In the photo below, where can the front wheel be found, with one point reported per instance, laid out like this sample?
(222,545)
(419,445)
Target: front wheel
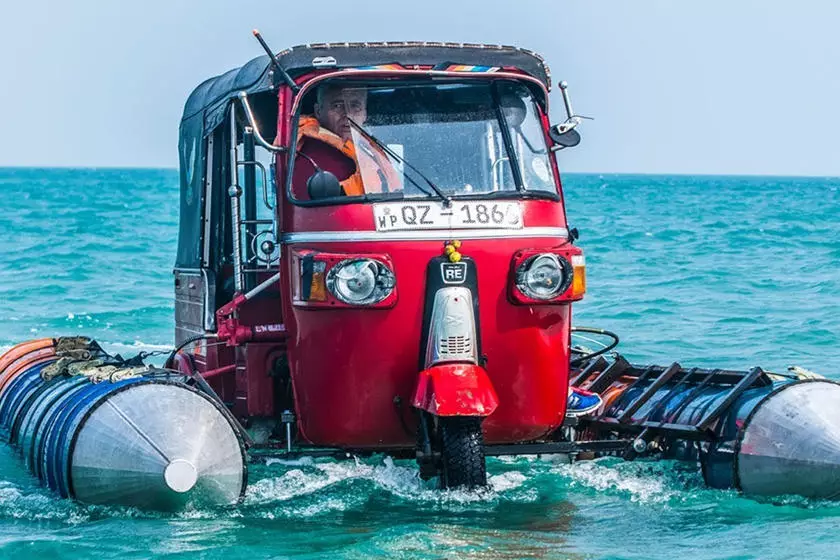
(462,452)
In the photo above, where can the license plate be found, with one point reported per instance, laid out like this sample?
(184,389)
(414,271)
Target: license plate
(399,216)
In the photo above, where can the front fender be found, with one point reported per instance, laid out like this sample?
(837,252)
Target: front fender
(455,390)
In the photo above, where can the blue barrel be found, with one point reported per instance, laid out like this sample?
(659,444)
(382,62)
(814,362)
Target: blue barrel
(16,395)
(144,441)
(31,427)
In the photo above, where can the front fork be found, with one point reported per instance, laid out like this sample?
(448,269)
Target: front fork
(453,384)
(428,453)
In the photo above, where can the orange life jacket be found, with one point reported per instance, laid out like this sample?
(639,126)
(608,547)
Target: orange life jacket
(374,171)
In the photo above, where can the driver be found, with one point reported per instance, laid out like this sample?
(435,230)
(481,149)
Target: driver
(331,124)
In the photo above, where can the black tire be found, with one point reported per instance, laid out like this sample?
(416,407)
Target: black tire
(462,453)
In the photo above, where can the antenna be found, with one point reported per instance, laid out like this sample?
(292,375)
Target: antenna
(276,63)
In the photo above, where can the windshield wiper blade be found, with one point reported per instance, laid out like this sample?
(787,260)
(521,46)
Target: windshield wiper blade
(507,140)
(447,200)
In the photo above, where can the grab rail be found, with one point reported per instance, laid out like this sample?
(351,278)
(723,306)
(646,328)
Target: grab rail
(249,114)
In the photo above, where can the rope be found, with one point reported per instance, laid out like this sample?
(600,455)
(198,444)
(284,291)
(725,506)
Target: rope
(82,356)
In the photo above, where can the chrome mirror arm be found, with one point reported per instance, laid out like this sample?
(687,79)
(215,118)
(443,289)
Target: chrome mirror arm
(572,120)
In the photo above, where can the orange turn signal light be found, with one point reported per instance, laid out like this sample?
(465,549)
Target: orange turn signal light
(318,287)
(579,276)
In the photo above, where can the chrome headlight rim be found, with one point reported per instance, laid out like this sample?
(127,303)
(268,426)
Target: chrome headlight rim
(564,267)
(384,281)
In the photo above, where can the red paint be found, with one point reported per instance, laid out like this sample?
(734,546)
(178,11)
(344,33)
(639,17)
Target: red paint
(349,364)
(455,390)
(255,363)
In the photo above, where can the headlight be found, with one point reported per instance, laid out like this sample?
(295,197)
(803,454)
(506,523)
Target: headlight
(544,276)
(360,281)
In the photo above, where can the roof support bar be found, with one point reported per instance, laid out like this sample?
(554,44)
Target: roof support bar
(235,191)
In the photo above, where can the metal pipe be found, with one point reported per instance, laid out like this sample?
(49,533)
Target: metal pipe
(262,169)
(249,114)
(250,190)
(235,192)
(572,120)
(210,374)
(287,417)
(564,86)
(262,286)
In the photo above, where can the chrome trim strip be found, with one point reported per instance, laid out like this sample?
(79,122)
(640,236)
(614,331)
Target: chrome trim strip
(208,201)
(209,297)
(423,235)
(354,72)
(234,192)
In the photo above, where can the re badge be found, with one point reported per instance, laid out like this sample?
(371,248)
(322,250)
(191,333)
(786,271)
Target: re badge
(453,273)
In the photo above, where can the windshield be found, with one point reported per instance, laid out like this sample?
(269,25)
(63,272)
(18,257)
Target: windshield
(423,140)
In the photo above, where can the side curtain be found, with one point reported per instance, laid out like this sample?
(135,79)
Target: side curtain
(192,169)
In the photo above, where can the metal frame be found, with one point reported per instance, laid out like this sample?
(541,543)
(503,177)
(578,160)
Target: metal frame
(251,134)
(278,450)
(234,192)
(208,199)
(295,113)
(645,429)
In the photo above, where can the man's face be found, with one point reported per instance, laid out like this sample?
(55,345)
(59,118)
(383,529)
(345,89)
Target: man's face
(337,105)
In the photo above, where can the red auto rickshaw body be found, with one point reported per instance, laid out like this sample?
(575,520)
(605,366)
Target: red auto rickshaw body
(351,364)
(355,364)
(360,377)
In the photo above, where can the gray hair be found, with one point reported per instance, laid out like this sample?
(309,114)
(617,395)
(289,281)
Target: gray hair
(326,88)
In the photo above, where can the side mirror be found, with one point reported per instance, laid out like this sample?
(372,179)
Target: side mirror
(323,184)
(564,136)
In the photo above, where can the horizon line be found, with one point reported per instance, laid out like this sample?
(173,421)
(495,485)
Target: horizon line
(562,173)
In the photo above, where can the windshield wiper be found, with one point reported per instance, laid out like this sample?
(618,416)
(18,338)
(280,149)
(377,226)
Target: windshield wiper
(508,141)
(447,200)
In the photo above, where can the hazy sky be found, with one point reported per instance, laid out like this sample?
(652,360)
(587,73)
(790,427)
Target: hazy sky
(675,86)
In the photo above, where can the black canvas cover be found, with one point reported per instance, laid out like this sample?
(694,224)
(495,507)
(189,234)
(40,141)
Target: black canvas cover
(212,95)
(191,161)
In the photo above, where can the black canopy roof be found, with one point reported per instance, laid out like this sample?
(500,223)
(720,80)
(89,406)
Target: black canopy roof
(254,77)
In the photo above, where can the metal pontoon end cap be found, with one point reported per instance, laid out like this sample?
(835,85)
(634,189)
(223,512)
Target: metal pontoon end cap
(157,445)
(790,443)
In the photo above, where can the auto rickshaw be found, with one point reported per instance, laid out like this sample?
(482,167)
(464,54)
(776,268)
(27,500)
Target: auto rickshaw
(428,314)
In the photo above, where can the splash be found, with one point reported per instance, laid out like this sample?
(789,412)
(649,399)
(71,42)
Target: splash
(641,481)
(337,486)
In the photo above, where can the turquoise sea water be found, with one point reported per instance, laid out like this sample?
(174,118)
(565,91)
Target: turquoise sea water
(711,271)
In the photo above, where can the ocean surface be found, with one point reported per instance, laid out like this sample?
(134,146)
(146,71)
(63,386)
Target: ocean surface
(710,271)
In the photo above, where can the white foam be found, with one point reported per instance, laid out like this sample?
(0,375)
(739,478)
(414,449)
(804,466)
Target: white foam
(138,345)
(507,481)
(38,506)
(307,477)
(639,487)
